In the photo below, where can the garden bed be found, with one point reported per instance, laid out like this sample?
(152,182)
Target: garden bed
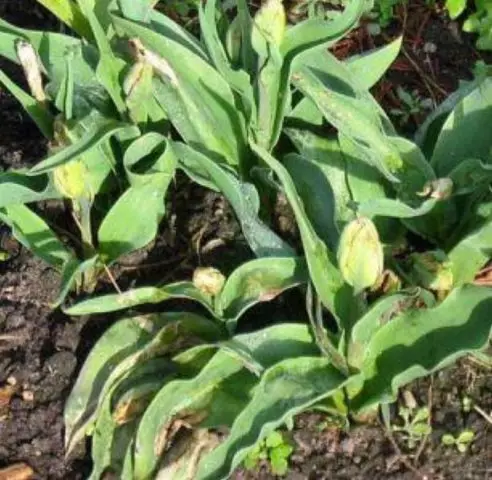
(41,351)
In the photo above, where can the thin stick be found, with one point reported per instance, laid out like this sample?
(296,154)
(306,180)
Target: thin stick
(483,413)
(429,406)
(112,279)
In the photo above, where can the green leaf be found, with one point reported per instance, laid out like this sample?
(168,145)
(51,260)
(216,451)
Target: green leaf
(238,79)
(368,68)
(138,11)
(33,232)
(274,439)
(69,13)
(462,134)
(73,273)
(138,296)
(39,113)
(194,95)
(64,98)
(122,347)
(286,389)
(94,137)
(116,235)
(345,113)
(428,132)
(17,188)
(109,67)
(321,263)
(259,281)
(455,7)
(115,426)
(52,49)
(207,389)
(448,439)
(471,253)
(243,198)
(420,341)
(379,315)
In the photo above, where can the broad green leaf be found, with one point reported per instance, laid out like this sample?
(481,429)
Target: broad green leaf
(150,163)
(126,344)
(238,79)
(33,232)
(381,313)
(72,273)
(52,48)
(368,68)
(315,32)
(471,176)
(471,254)
(428,132)
(343,111)
(69,13)
(195,97)
(455,7)
(204,391)
(109,67)
(388,207)
(139,296)
(116,422)
(303,37)
(243,198)
(420,341)
(326,278)
(287,388)
(462,134)
(91,140)
(121,340)
(193,400)
(118,234)
(39,113)
(259,280)
(139,11)
(18,187)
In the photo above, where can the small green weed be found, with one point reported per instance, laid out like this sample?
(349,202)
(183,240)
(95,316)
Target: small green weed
(411,104)
(462,441)
(415,425)
(275,450)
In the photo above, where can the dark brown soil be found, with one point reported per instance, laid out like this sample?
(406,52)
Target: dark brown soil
(41,351)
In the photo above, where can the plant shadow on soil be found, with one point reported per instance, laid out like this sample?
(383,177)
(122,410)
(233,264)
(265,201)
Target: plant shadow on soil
(42,351)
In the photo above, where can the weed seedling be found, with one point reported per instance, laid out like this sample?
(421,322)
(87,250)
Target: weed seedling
(415,425)
(275,450)
(411,104)
(462,441)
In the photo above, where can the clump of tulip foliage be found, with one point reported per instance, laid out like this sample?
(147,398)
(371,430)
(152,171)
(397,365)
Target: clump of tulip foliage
(395,233)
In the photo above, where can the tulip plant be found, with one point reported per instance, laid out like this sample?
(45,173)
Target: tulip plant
(394,232)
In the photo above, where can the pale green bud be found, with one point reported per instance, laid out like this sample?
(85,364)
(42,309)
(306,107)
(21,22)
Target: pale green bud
(432,270)
(271,20)
(360,254)
(208,280)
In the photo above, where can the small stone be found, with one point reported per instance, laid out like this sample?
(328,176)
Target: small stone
(28,396)
(430,47)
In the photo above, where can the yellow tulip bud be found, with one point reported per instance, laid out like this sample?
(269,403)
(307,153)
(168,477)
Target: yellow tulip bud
(360,254)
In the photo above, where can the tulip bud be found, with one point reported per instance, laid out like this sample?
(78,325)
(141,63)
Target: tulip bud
(433,270)
(271,20)
(360,254)
(208,280)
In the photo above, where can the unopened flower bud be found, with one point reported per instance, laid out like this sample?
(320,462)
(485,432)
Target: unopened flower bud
(271,20)
(360,254)
(208,280)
